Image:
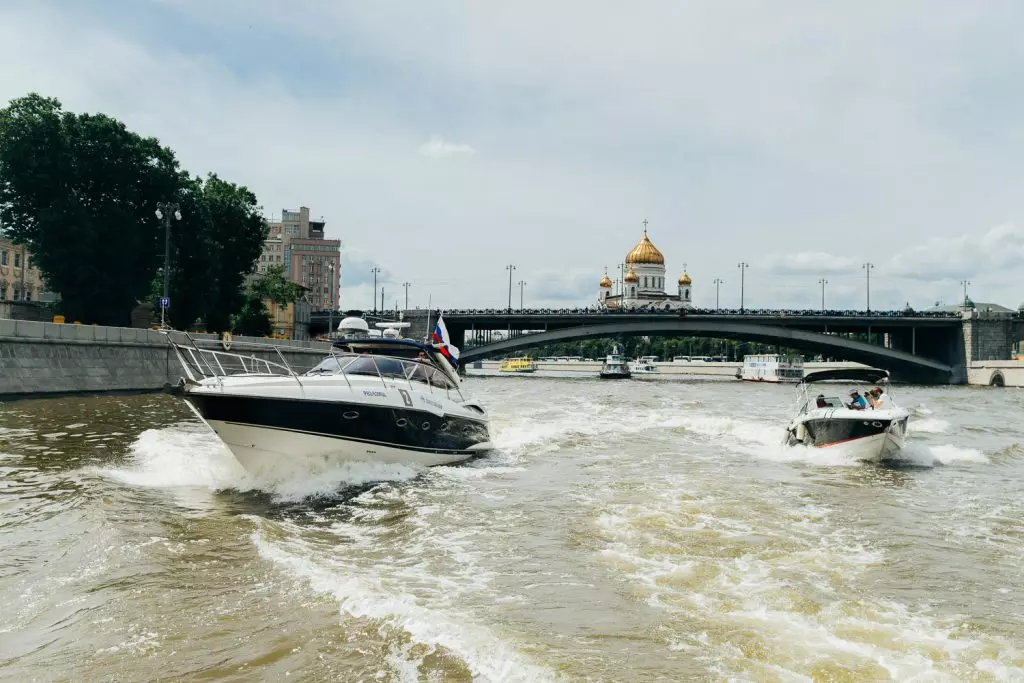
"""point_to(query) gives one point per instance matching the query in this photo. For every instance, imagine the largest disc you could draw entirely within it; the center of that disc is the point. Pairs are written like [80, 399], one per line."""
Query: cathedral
[643, 285]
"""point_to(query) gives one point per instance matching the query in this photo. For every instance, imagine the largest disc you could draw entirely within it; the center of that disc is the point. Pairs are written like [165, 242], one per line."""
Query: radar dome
[353, 327]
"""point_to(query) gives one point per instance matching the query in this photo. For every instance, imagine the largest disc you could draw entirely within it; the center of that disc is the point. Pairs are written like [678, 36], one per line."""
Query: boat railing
[205, 363]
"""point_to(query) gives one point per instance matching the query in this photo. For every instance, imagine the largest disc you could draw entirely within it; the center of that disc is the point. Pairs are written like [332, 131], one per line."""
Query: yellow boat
[517, 365]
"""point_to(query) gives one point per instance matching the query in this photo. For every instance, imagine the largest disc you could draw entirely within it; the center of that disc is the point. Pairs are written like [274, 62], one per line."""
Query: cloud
[809, 263]
[438, 148]
[998, 250]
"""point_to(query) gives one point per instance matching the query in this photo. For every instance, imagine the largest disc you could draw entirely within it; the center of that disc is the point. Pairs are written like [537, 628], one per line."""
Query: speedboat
[615, 366]
[827, 422]
[643, 366]
[385, 399]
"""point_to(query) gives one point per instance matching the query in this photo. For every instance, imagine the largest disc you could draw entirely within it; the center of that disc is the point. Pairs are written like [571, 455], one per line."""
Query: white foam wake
[190, 456]
[487, 656]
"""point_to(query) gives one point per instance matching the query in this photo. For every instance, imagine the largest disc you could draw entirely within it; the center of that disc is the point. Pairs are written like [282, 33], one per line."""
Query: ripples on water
[624, 531]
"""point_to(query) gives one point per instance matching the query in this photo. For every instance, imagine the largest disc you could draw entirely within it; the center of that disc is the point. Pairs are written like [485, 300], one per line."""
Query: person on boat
[857, 401]
[821, 402]
[879, 399]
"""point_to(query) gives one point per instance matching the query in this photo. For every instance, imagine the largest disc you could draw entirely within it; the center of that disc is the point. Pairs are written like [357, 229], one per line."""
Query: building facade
[20, 280]
[643, 283]
[298, 245]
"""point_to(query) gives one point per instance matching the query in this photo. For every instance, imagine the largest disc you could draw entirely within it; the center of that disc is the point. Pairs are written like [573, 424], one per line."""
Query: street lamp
[330, 312]
[164, 211]
[868, 267]
[965, 284]
[522, 283]
[823, 282]
[510, 268]
[718, 283]
[743, 272]
[375, 270]
[407, 285]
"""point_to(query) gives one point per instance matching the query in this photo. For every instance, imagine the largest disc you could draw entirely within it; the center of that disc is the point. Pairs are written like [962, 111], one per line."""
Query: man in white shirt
[879, 399]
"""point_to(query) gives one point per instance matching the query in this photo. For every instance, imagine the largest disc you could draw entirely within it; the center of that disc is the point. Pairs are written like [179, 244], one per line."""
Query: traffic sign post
[165, 303]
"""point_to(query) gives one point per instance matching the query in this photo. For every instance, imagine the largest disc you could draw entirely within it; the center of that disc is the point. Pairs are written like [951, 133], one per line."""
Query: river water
[625, 531]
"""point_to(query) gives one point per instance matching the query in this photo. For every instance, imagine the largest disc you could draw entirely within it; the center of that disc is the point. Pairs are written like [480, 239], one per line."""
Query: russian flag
[451, 353]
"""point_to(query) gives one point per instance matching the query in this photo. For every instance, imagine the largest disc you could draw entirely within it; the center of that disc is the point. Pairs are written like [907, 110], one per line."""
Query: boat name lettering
[432, 402]
[381, 394]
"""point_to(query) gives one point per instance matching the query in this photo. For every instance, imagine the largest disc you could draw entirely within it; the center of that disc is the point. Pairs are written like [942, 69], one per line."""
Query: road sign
[165, 302]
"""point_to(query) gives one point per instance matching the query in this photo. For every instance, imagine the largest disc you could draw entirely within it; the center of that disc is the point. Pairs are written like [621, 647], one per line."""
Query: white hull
[262, 450]
[875, 448]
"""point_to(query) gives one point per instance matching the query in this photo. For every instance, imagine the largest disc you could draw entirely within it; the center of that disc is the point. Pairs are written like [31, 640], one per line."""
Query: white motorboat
[615, 366]
[383, 399]
[873, 433]
[643, 366]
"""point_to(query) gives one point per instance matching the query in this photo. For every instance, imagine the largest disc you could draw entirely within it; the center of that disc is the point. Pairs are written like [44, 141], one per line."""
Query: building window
[3, 258]
[17, 260]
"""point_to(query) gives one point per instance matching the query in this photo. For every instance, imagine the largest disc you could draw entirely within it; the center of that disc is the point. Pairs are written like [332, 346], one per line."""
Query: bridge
[913, 345]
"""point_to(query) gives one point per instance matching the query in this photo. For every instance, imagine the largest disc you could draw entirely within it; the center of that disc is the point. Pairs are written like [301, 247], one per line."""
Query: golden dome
[631, 276]
[684, 280]
[605, 281]
[645, 252]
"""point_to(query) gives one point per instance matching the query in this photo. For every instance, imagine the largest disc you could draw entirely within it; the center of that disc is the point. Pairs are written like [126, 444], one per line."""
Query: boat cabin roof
[382, 346]
[866, 375]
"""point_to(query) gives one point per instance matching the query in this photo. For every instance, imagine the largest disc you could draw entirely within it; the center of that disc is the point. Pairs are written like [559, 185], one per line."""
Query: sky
[445, 141]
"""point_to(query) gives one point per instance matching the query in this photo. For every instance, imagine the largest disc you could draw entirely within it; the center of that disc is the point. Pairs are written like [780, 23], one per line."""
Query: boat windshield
[385, 368]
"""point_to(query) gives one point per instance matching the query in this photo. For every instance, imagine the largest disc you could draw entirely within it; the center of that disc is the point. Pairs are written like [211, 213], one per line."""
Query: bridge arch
[903, 365]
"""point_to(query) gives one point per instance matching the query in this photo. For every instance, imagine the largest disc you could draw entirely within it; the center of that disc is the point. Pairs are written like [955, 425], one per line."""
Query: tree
[253, 319]
[213, 248]
[274, 286]
[80, 191]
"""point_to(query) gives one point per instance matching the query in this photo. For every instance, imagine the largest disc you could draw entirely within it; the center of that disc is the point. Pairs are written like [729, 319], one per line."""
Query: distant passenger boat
[771, 367]
[615, 366]
[644, 366]
[517, 365]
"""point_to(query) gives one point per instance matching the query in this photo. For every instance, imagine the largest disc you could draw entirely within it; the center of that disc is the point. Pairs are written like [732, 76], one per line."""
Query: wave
[487, 656]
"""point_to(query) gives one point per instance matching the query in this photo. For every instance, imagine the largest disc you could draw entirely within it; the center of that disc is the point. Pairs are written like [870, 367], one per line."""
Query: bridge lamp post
[743, 273]
[407, 285]
[375, 270]
[823, 282]
[164, 211]
[718, 283]
[868, 267]
[965, 284]
[330, 300]
[510, 268]
[522, 284]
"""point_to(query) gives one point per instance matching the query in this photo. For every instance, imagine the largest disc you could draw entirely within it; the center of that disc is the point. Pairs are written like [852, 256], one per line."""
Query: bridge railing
[746, 312]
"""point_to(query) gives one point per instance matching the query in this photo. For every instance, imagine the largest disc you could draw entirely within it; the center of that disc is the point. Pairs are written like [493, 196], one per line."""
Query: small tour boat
[771, 367]
[615, 366]
[873, 433]
[644, 366]
[517, 365]
[372, 398]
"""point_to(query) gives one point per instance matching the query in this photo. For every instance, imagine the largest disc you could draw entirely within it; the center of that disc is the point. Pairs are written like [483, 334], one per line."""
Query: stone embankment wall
[996, 373]
[44, 358]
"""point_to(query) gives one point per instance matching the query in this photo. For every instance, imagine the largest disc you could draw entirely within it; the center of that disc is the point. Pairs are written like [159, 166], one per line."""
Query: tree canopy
[80, 191]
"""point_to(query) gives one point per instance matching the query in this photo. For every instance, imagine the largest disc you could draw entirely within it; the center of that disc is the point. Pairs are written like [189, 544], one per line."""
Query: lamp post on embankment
[164, 211]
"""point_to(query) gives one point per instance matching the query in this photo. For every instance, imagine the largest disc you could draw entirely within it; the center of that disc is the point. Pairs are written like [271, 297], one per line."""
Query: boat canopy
[866, 375]
[405, 348]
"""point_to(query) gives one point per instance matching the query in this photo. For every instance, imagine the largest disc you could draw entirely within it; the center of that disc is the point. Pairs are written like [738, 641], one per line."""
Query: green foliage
[665, 348]
[274, 286]
[253, 319]
[213, 247]
[79, 191]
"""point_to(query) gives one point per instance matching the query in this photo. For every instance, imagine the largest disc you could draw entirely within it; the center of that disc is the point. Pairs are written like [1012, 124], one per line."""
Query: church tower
[685, 283]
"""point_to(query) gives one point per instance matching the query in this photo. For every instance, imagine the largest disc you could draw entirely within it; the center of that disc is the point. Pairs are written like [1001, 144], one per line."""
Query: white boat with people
[867, 425]
[771, 367]
[615, 366]
[372, 398]
[644, 365]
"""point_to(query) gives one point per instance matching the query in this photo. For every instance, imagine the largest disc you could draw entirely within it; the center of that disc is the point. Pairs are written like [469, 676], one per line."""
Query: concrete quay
[38, 358]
